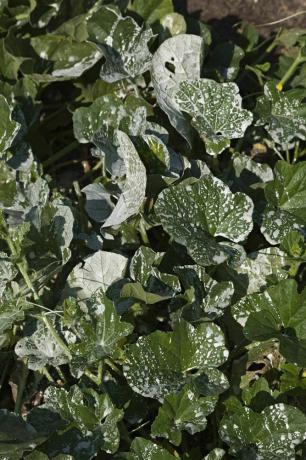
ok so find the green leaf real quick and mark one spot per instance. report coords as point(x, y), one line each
point(173, 24)
point(268, 315)
point(275, 432)
point(215, 109)
point(134, 188)
point(286, 196)
point(288, 189)
point(98, 202)
point(143, 449)
point(294, 244)
point(194, 214)
point(152, 10)
point(292, 378)
point(98, 271)
point(216, 454)
point(225, 61)
point(137, 292)
point(99, 330)
point(182, 411)
point(8, 127)
point(159, 158)
point(144, 270)
point(68, 57)
point(93, 414)
point(16, 436)
point(44, 12)
point(160, 363)
point(282, 114)
point(124, 44)
point(177, 59)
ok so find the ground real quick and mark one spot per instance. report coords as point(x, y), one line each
point(223, 13)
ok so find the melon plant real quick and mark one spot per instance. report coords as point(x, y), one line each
point(152, 235)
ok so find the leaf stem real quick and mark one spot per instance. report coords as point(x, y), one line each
point(113, 366)
point(55, 335)
point(143, 233)
point(61, 153)
point(47, 374)
point(297, 61)
point(61, 374)
point(94, 378)
point(98, 165)
point(21, 387)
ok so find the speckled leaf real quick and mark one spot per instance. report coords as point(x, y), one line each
point(194, 214)
point(159, 363)
point(255, 270)
point(7, 273)
point(276, 431)
point(282, 114)
point(143, 449)
point(216, 112)
point(41, 349)
point(247, 172)
point(182, 411)
point(277, 313)
point(99, 330)
point(277, 224)
point(11, 312)
point(68, 57)
point(143, 263)
point(217, 297)
point(96, 420)
point(8, 127)
point(129, 117)
point(98, 271)
point(134, 188)
point(123, 42)
point(207, 299)
point(177, 59)
point(144, 270)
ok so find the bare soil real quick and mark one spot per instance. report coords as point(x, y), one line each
point(224, 13)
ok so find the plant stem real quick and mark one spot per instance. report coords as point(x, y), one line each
point(98, 165)
point(296, 151)
point(113, 366)
point(61, 153)
point(298, 60)
point(55, 335)
point(46, 373)
point(21, 266)
point(21, 387)
point(143, 233)
point(3, 374)
point(60, 373)
point(94, 378)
